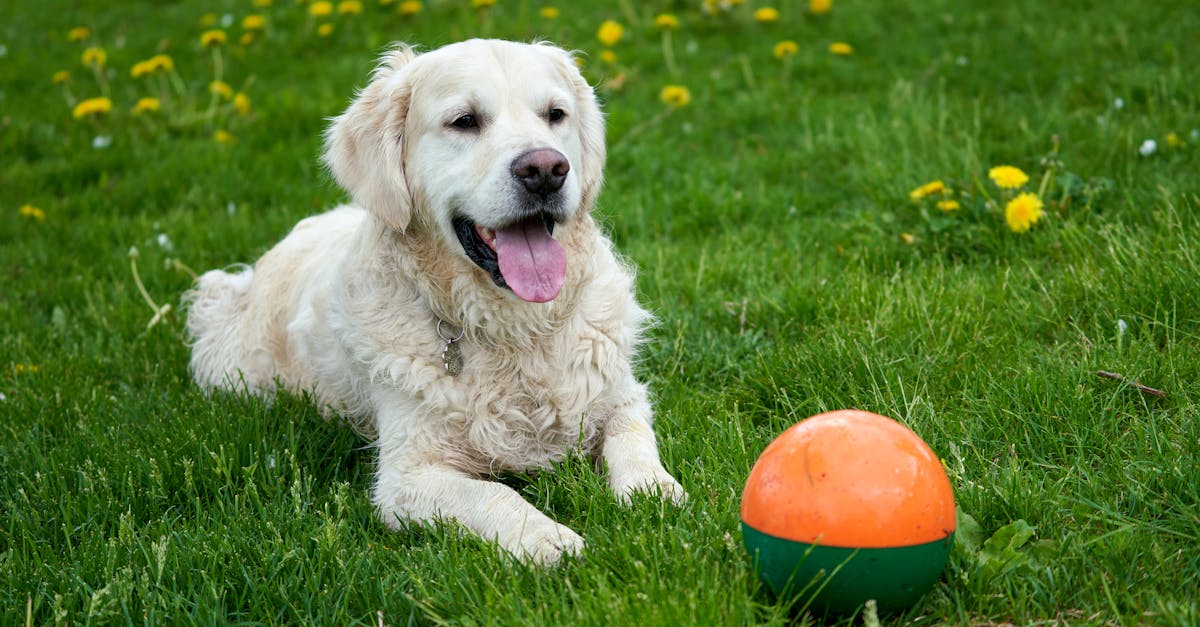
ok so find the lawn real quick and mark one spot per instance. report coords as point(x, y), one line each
point(812, 202)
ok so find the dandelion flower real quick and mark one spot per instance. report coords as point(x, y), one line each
point(820, 7)
point(928, 189)
point(254, 22)
point(241, 104)
point(60, 77)
point(322, 8)
point(610, 32)
point(948, 205)
point(223, 137)
point(30, 211)
point(675, 96)
point(79, 33)
point(908, 238)
point(214, 37)
point(549, 13)
point(608, 56)
point(146, 105)
point(94, 57)
point(841, 48)
point(1008, 177)
point(1023, 212)
point(666, 21)
point(766, 15)
point(92, 107)
point(325, 30)
point(349, 7)
point(247, 38)
point(481, 4)
point(140, 69)
point(1173, 141)
point(786, 48)
point(161, 63)
point(209, 19)
point(410, 7)
point(221, 88)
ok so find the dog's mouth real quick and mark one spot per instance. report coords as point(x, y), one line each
point(521, 256)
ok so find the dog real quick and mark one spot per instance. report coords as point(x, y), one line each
point(465, 311)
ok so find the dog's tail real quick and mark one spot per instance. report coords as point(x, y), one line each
point(224, 353)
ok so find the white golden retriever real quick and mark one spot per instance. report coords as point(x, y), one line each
point(467, 312)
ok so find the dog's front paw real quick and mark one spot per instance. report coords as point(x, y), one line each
point(546, 544)
point(658, 482)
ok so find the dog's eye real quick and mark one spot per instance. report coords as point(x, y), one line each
point(466, 122)
point(555, 115)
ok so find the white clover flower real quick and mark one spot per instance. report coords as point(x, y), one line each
point(1118, 103)
point(1148, 148)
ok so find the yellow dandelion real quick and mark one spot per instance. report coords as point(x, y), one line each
point(841, 48)
point(1173, 141)
point(948, 205)
point(30, 211)
point(92, 107)
point(146, 105)
point(223, 137)
point(209, 19)
point(908, 238)
point(23, 368)
point(161, 63)
point(325, 30)
point(94, 57)
point(608, 56)
point(610, 32)
point(820, 7)
point(79, 33)
point(221, 88)
point(410, 7)
point(214, 37)
point(60, 77)
point(928, 189)
point(1008, 177)
point(549, 13)
point(1023, 212)
point(349, 7)
point(675, 96)
point(247, 38)
point(241, 103)
point(482, 4)
point(786, 48)
point(666, 21)
point(254, 22)
point(766, 15)
point(140, 69)
point(322, 8)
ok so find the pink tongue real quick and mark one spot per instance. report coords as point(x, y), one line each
point(532, 262)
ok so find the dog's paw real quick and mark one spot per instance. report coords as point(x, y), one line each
point(547, 544)
point(656, 483)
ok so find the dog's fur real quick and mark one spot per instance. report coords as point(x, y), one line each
point(347, 307)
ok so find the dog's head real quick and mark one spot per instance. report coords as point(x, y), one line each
point(487, 144)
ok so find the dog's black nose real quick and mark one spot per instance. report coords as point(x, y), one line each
point(541, 171)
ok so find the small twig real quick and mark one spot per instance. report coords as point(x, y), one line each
point(1123, 379)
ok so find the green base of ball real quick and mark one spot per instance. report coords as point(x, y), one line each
point(840, 580)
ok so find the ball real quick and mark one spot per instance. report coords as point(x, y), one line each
point(845, 507)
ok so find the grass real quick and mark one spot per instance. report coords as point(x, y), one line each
point(777, 245)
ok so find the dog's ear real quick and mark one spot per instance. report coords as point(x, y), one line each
point(591, 127)
point(364, 147)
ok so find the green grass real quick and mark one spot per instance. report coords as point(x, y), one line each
point(777, 245)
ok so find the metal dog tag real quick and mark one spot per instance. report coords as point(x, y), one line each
point(452, 357)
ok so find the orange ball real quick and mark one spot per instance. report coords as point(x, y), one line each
point(849, 490)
